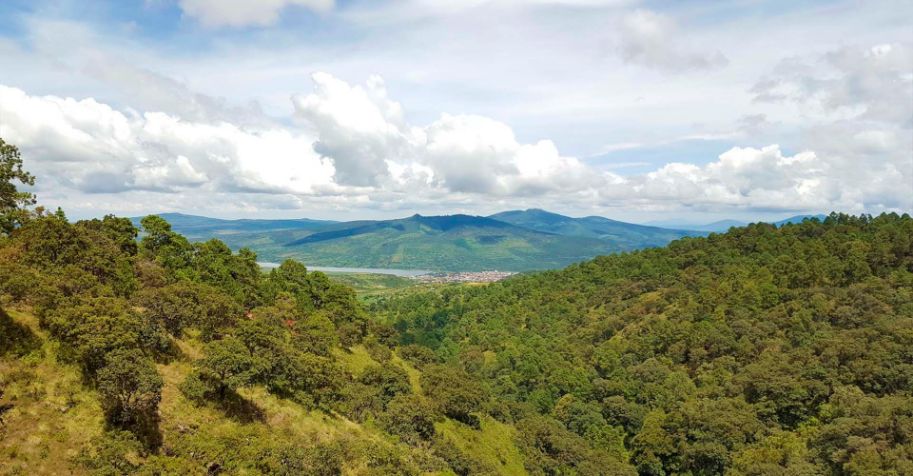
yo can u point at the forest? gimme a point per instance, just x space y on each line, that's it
764 350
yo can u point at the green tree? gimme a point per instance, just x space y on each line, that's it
227 365
454 392
13 201
170 249
129 386
410 417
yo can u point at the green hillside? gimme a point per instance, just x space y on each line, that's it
158 356
201 228
761 351
624 236
764 350
510 241
457 242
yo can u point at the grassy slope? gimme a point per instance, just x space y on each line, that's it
373 285
55 416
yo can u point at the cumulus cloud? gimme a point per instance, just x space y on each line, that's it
874 83
93 148
365 134
239 13
651 39
765 178
857 109
358 151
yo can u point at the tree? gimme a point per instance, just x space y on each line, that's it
92 328
454 392
129 386
170 249
389 380
13 201
410 417
188 304
227 365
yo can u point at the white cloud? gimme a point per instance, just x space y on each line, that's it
651 39
358 127
239 13
365 135
92 148
356 150
873 84
765 178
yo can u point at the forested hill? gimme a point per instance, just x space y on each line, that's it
514 241
764 350
625 236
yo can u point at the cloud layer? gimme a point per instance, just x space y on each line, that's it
239 13
651 39
354 148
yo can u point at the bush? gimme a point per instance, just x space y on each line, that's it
454 392
418 355
318 460
130 390
410 417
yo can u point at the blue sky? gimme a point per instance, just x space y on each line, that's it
637 110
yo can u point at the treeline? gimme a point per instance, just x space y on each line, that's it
118 306
119 301
764 350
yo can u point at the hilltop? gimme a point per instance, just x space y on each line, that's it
510 241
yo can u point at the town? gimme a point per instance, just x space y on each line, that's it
464 277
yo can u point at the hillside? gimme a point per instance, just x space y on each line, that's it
763 350
200 228
510 241
624 236
156 356
438 243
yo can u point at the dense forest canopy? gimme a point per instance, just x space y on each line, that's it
765 350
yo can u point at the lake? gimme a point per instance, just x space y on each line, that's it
405 273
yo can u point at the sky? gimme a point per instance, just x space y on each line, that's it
672 111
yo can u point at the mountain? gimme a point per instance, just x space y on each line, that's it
800 219
440 243
624 236
724 225
718 226
516 240
199 227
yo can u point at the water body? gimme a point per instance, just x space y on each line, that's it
404 273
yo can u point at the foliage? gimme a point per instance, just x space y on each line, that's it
454 392
13 201
410 417
699 357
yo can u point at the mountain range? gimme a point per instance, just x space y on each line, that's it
516 240
724 225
